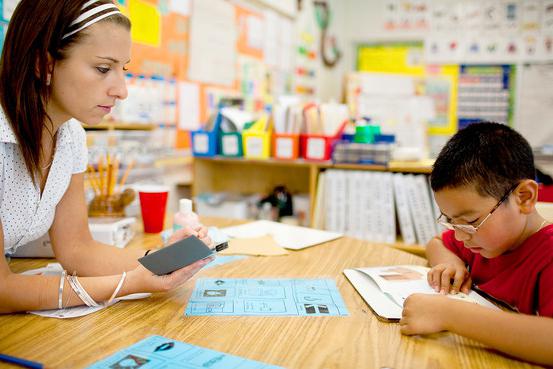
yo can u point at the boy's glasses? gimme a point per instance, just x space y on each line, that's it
468 228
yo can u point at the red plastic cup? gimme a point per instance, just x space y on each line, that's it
153 201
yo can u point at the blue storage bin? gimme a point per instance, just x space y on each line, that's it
206 143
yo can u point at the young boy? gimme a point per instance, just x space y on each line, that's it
497 243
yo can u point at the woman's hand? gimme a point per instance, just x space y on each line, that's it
441 275
200 232
142 280
424 314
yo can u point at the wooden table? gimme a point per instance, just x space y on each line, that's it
356 341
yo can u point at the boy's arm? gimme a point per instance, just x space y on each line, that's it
527 337
437 253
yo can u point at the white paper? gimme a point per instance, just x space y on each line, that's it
547 18
315 148
8 8
254 146
230 145
286 47
201 143
284 147
271 53
189 106
180 7
255 32
534 104
287 236
213 42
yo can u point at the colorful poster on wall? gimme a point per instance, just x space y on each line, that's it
438 83
406 15
403 58
213 43
485 93
250 37
146 20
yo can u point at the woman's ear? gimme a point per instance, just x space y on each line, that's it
526 195
49 68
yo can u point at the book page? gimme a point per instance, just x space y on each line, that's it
401 281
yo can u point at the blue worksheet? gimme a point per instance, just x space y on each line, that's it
266 297
224 259
156 352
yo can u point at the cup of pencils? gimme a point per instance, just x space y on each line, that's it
109 199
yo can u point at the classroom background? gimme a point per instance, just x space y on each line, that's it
320 113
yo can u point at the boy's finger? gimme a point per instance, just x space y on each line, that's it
436 278
458 280
445 281
465 287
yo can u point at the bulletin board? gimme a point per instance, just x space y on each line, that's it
439 82
163 45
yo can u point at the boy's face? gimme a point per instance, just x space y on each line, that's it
500 233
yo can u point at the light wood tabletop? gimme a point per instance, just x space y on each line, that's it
355 341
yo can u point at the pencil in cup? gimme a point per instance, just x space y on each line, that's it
104 180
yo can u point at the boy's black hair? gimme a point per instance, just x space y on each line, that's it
490 156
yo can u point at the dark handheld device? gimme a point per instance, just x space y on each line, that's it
178 255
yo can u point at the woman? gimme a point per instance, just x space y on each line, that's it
63 59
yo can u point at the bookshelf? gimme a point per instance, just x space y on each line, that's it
111 126
247 176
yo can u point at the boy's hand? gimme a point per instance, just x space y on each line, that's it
441 275
424 314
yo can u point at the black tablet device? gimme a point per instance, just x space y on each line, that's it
176 256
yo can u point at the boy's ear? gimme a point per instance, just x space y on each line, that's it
526 195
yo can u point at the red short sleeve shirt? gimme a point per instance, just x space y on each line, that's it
522 278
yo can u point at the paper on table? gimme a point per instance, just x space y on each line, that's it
76 311
287 236
266 297
263 246
162 352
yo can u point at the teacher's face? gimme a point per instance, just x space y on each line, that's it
86 84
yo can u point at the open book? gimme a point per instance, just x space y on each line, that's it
386 288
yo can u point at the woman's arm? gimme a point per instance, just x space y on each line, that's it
78 252
98 266
36 292
524 336
73 244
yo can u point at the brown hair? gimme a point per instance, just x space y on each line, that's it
36 31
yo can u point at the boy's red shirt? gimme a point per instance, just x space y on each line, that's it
522 278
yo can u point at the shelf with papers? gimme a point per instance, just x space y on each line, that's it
247 176
402 167
107 126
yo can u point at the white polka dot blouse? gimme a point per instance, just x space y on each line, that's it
25 214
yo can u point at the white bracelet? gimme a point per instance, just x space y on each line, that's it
60 289
119 285
81 292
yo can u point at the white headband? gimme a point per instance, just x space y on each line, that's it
90 14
